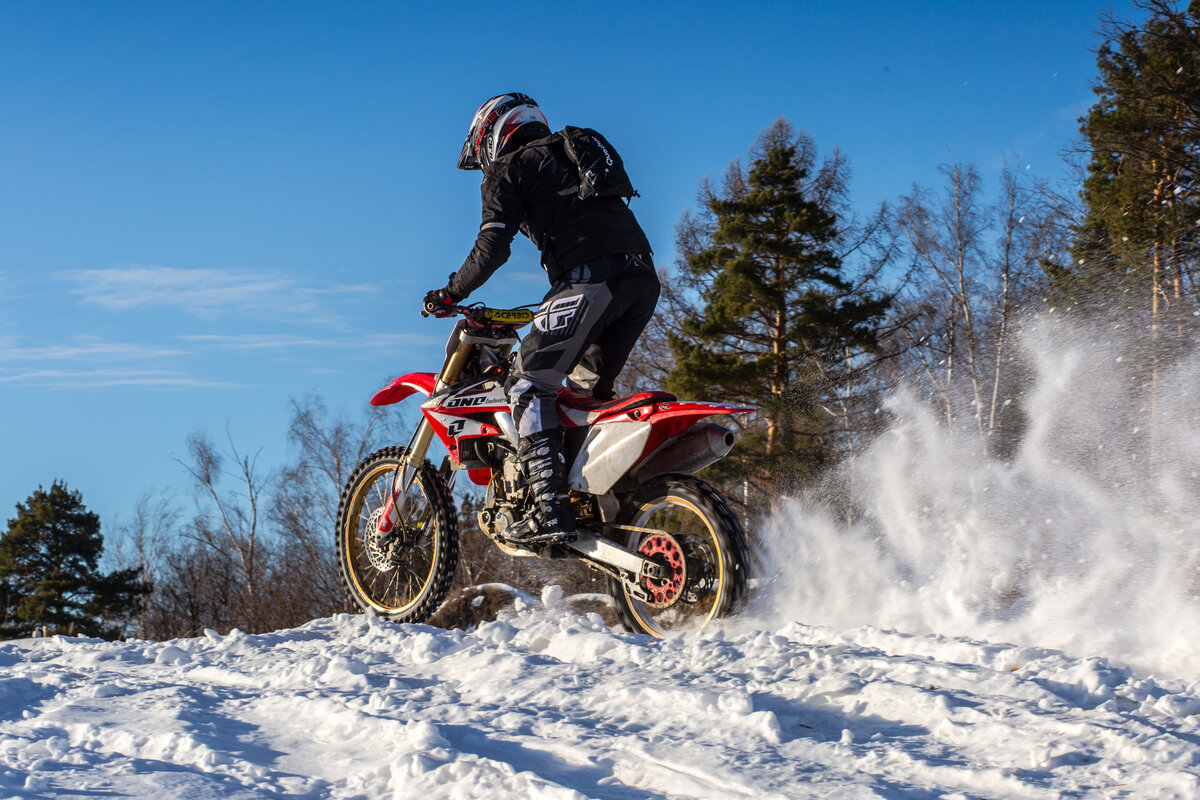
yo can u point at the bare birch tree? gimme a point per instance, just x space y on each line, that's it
975 269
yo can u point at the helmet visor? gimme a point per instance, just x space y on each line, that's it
467 158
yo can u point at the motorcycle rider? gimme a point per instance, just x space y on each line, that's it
603 287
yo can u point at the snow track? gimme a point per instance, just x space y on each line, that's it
547 704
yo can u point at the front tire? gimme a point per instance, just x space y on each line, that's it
404 575
703 553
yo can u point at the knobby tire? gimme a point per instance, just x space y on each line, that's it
411 590
713 541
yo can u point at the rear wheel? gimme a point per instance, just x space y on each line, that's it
403 574
690 531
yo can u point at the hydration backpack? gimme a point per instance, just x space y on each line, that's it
601 171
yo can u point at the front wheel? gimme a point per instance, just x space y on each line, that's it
403 574
682 523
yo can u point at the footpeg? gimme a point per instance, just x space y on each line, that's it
544 539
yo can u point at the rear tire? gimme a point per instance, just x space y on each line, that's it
403 579
705 553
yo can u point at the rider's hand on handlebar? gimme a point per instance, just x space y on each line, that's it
439 303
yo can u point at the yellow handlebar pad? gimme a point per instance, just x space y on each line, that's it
504 316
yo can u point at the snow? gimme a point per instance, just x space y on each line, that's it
543 703
1025 627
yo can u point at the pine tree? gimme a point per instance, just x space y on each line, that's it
776 321
49 571
1142 190
1138 248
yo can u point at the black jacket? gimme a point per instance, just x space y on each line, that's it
521 191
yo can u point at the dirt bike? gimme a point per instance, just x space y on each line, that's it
673 551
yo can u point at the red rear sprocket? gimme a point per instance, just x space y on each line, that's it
662 549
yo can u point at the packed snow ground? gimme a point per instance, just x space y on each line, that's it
549 704
1083 540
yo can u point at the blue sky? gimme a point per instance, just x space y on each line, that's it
209 208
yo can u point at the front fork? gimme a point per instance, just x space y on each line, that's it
418 445
405 475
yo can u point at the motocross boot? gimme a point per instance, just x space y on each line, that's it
550 515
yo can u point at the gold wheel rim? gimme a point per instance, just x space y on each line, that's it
641 520
371 488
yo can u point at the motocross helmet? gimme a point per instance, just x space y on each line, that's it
493 125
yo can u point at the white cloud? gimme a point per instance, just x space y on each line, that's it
257 341
99 378
210 293
8 294
91 348
383 341
367 342
90 362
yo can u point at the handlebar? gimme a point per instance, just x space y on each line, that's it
482 316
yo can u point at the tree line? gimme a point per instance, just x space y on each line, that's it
254 551
782 297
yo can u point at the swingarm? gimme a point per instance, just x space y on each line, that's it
615 561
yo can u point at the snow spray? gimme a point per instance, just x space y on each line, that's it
1084 538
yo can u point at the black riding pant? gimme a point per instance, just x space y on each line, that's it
583 332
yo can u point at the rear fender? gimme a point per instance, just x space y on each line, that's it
405 385
680 409
668 420
616 446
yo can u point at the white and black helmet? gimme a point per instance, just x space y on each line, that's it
493 125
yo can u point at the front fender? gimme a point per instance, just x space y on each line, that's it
402 387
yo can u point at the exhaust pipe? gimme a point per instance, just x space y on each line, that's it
700 445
